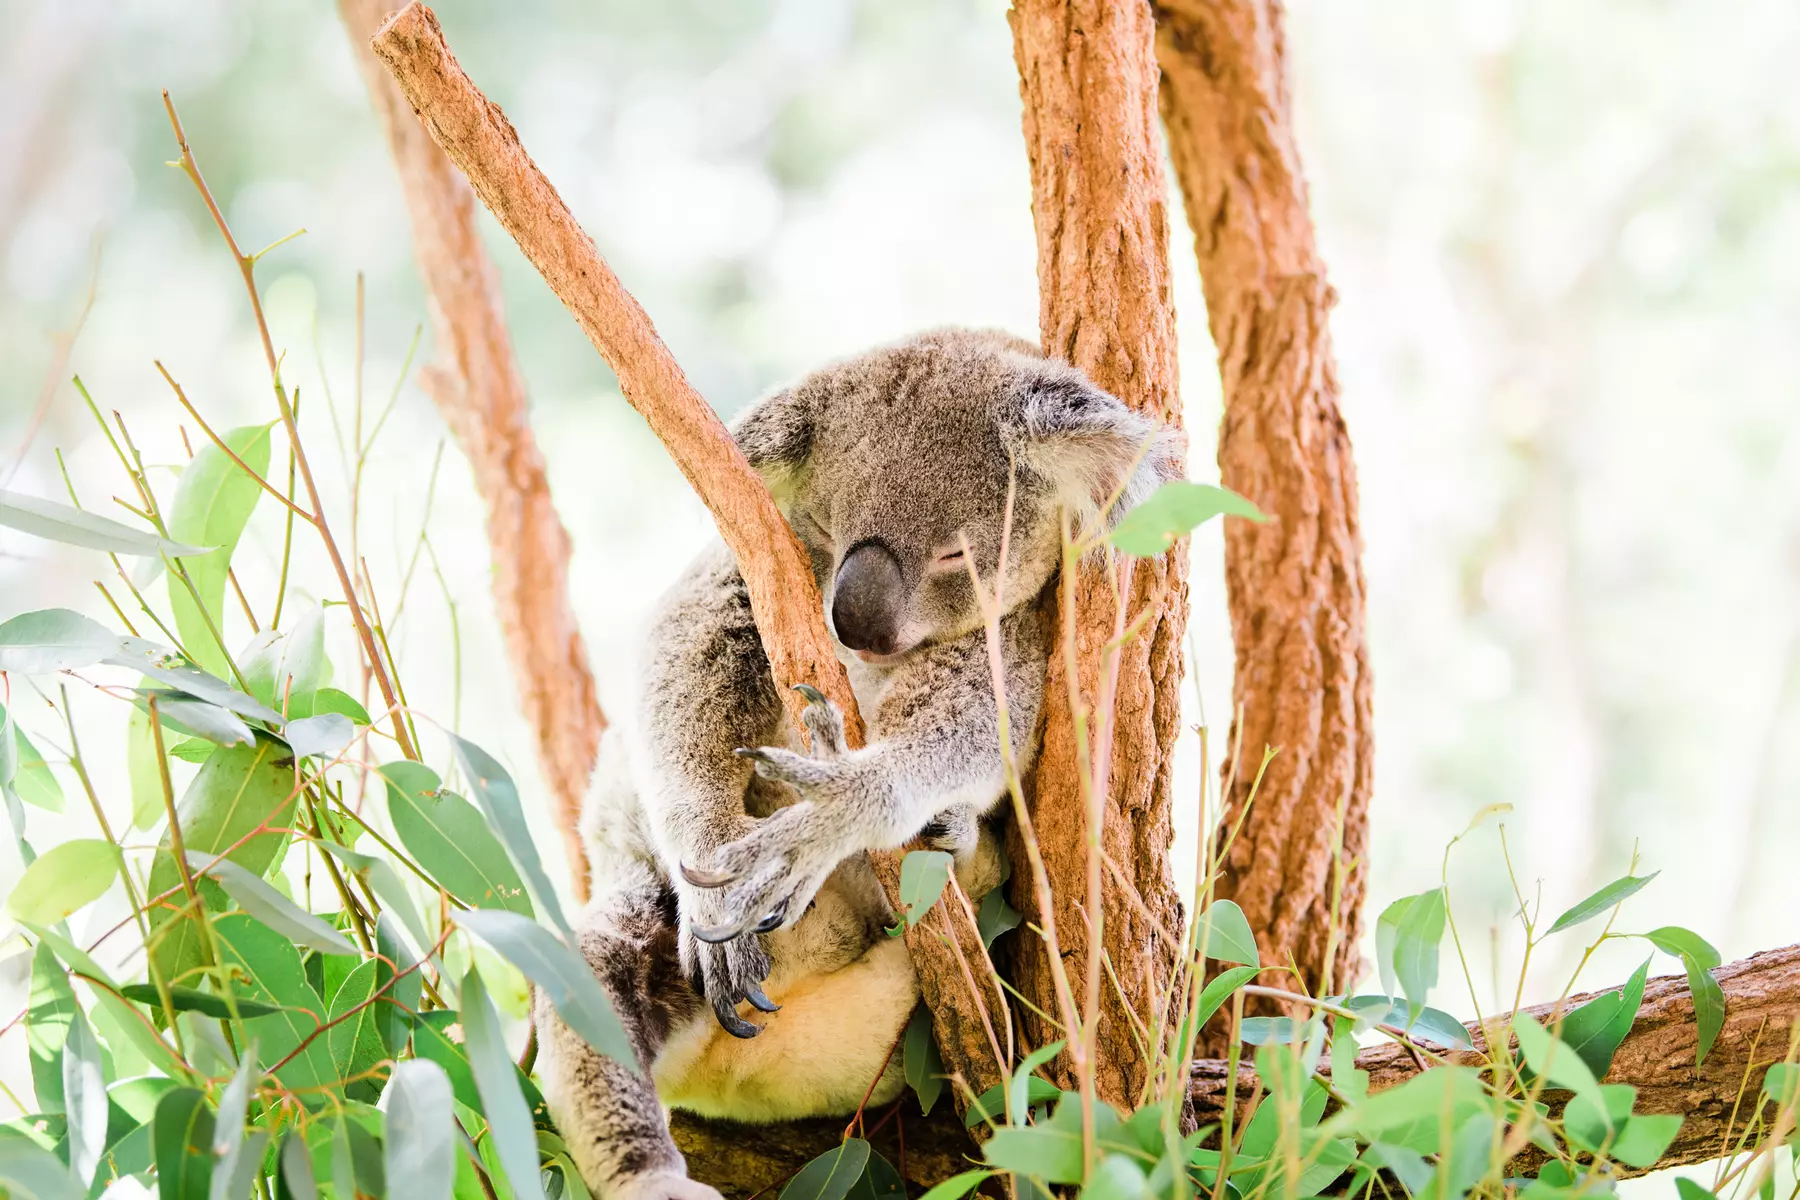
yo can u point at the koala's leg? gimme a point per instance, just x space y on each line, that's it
608 1112
707 692
934 754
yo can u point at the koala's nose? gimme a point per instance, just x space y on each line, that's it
867 600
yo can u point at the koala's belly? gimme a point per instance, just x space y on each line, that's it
846 990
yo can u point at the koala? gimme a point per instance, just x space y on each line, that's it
736 924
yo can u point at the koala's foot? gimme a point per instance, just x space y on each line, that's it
725 972
659 1185
955 830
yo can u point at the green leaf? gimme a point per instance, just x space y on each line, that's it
1687 1189
30 777
1040 1151
143 773
53 639
1607 897
284 665
996 916
48 1014
183 1132
496 1078
385 882
1018 1091
167 667
1173 511
270 906
1551 1058
238 790
1645 1139
84 1098
272 974
1596 1029
499 803
1117 1177
212 505
923 876
1390 1115
237 1156
1270 1031
564 977
991 1104
879 1181
39 1173
1590 1119
447 837
187 999
1216 993
64 878
919 1057
322 736
297 1180
1781 1084
1699 958
327 700
1407 937
831 1175
355 1040
403 986
1424 1024
196 718
958 1186
74 527
1227 935
420 1145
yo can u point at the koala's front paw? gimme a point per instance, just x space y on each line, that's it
955 830
725 972
659 1185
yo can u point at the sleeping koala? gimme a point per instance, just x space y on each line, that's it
728 858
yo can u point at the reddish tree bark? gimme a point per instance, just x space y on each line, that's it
481 396
1294 585
1088 78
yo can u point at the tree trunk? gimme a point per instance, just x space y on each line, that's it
1762 1004
1295 584
481 396
1088 79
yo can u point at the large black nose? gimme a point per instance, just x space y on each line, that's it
866 603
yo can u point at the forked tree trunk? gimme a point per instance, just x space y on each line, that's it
1295 584
1088 77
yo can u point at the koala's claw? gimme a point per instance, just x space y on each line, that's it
760 1000
773 920
824 721
701 878
813 695
726 1010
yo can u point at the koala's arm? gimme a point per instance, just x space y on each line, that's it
706 692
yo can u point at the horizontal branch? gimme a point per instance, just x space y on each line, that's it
478 138
1762 1003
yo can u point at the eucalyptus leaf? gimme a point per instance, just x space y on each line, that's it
278 665
1173 511
448 838
919 1058
1553 1059
49 1012
420 1146
1699 958
37 1172
996 916
1407 936
187 999
53 639
272 975
67 877
167 667
1607 897
322 736
271 907
24 769
355 1035
76 527
509 1120
212 504
1227 934
831 1175
182 1132
237 1156
195 717
499 803
923 876
84 1098
385 882
1596 1029
564 977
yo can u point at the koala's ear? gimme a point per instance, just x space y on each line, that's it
1087 445
776 435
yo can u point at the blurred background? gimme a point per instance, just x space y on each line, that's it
1566 238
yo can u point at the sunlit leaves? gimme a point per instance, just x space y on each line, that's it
166 667
1607 897
183 1132
495 1078
84 1097
354 1036
47 1017
1407 936
23 769
270 906
1698 958
564 977
1596 1029
921 1061
1550 1057
448 838
212 505
831 1175
421 1133
498 799
322 736
75 527
1173 511
66 877
53 639
1227 936
271 973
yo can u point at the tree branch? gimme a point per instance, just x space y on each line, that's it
481 396
1762 1003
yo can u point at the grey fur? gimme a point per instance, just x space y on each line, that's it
909 448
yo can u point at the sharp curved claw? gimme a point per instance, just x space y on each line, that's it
761 1001
773 920
733 1024
751 752
714 934
813 695
702 878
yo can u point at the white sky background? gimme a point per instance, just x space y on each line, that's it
1566 240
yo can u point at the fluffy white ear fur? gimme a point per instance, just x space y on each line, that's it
1090 447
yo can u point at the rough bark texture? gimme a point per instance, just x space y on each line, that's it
481 396
1088 80
478 139
1295 584
1762 1004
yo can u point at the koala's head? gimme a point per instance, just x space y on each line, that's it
886 463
